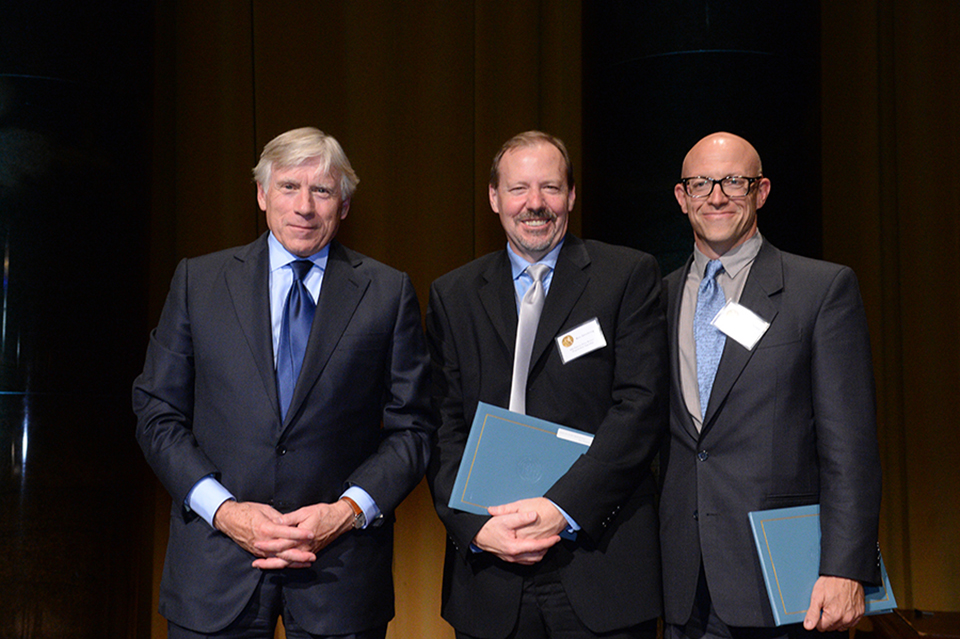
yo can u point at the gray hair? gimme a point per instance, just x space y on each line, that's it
297 146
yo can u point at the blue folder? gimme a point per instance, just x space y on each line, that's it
788 542
510 456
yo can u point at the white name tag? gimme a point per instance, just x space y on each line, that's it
581 340
741 324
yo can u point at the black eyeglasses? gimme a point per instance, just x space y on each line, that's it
732 185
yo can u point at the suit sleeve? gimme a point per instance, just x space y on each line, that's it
845 417
625 443
401 458
447 393
163 397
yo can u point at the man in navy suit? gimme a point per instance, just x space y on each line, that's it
783 416
509 573
283 491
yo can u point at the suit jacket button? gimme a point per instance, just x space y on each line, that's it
702 455
696 515
281 450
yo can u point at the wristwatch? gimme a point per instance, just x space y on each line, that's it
359 519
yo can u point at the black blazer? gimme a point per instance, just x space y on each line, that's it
791 422
207 404
611 573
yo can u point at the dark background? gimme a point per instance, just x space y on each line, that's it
127 134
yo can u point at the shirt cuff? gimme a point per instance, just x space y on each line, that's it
570 532
206 496
365 501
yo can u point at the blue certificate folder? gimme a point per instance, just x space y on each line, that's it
510 456
788 542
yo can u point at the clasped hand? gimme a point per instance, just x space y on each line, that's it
522 531
283 541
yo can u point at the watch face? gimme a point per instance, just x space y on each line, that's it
359 520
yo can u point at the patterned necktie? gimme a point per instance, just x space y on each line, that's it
709 340
298 311
530 307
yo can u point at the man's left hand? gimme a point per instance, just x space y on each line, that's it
836 604
549 521
325 521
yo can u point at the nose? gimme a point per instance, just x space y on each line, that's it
717 197
535 200
305 203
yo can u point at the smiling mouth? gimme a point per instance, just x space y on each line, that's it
537 219
719 213
536 222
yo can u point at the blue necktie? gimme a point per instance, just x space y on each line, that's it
709 340
298 311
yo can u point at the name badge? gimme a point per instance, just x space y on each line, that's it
741 324
581 340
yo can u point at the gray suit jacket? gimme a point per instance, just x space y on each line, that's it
611 573
207 404
791 422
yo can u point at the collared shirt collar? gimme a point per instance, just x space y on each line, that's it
734 260
280 257
519 264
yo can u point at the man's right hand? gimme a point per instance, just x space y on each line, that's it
499 536
250 525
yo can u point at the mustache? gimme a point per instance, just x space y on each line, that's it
542 213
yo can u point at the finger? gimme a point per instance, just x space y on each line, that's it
275 563
524 558
270 563
297 556
829 621
292 519
276 546
516 520
503 509
283 531
533 546
812 619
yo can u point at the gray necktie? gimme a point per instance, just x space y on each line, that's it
709 340
530 307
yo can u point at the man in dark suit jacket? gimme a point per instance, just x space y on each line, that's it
285 509
509 574
788 421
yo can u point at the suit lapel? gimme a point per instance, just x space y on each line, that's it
569 281
760 295
499 299
340 295
248 282
675 299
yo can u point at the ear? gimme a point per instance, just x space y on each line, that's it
261 197
681 195
763 190
494 199
344 209
571 198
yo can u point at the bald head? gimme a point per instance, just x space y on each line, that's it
723 149
720 221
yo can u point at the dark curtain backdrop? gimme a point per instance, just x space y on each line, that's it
127 133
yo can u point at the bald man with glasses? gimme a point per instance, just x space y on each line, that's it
773 412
